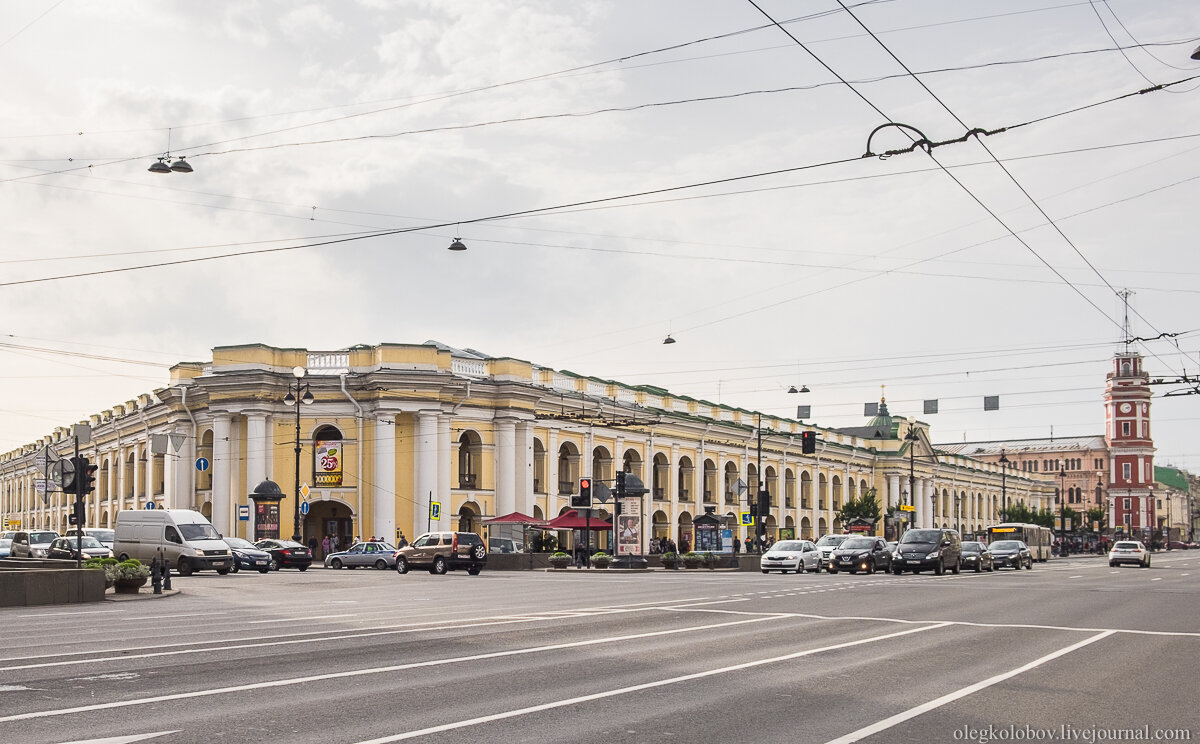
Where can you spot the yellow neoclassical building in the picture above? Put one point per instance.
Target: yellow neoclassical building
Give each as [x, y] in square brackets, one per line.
[414, 437]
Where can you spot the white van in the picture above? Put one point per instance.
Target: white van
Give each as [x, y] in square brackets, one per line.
[186, 538]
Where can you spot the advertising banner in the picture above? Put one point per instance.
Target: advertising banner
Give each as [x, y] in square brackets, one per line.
[629, 528]
[327, 464]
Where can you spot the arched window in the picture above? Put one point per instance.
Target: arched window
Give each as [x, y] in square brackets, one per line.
[470, 459]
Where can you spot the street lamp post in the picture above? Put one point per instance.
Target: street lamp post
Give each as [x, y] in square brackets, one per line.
[1062, 517]
[300, 394]
[1004, 483]
[911, 437]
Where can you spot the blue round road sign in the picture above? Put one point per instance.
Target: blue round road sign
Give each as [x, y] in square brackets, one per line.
[304, 507]
[201, 464]
[150, 505]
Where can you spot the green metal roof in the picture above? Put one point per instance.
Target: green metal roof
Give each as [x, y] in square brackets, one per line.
[1170, 477]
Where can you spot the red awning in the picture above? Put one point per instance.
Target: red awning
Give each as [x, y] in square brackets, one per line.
[572, 521]
[515, 518]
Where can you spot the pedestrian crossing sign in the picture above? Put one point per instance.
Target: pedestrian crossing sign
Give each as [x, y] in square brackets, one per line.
[435, 510]
[747, 519]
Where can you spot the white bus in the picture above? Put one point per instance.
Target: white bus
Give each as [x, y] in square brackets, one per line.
[1036, 537]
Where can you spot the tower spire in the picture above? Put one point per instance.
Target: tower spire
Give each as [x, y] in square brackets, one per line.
[1125, 294]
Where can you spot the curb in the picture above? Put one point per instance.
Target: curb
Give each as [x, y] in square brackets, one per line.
[114, 597]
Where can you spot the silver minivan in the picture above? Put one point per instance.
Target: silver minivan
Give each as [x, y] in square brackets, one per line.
[31, 543]
[183, 536]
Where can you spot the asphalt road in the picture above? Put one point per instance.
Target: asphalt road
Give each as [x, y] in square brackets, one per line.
[1072, 650]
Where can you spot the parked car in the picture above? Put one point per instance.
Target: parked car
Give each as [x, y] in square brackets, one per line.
[892, 547]
[31, 543]
[286, 553]
[861, 553]
[66, 547]
[246, 556]
[377, 554]
[976, 555]
[921, 549]
[105, 536]
[1129, 551]
[443, 551]
[1178, 545]
[829, 543]
[503, 545]
[5, 546]
[791, 555]
[1012, 553]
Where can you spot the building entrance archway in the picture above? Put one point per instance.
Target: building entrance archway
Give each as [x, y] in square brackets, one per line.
[330, 518]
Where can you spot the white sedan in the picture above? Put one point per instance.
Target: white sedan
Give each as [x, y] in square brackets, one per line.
[791, 555]
[1129, 551]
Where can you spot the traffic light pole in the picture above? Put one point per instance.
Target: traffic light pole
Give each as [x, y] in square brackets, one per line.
[79, 477]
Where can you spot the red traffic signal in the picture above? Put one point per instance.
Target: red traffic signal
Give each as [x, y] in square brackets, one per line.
[583, 499]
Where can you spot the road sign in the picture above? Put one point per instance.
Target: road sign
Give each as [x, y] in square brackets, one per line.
[202, 464]
[304, 508]
[908, 507]
[747, 519]
[435, 510]
[305, 491]
[151, 506]
[42, 485]
[243, 512]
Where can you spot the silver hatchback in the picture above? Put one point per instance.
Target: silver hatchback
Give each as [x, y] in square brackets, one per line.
[375, 554]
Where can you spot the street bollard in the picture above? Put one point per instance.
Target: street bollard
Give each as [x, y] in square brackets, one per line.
[166, 567]
[156, 575]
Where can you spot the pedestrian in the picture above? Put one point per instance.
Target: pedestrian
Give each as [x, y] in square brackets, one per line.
[671, 546]
[372, 538]
[683, 544]
[312, 545]
[737, 545]
[401, 541]
[333, 542]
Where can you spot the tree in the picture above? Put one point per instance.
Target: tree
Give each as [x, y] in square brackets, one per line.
[864, 507]
[1095, 515]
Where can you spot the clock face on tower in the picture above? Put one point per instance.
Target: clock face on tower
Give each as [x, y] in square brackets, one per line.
[1125, 408]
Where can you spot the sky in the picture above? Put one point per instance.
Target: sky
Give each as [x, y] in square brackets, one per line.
[619, 171]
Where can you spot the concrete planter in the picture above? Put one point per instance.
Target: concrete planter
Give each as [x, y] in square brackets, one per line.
[129, 586]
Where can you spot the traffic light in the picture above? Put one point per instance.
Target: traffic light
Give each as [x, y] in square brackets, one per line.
[78, 516]
[583, 498]
[764, 503]
[808, 442]
[86, 480]
[67, 474]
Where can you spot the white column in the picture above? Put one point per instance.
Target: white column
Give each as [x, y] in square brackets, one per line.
[505, 460]
[444, 451]
[258, 444]
[893, 496]
[425, 478]
[221, 467]
[551, 475]
[927, 497]
[524, 467]
[383, 489]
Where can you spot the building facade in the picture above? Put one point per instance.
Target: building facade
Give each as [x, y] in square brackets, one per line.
[411, 438]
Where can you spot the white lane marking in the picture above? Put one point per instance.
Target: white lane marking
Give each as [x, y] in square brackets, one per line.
[124, 739]
[887, 723]
[79, 612]
[638, 688]
[313, 617]
[1158, 579]
[13, 688]
[1076, 576]
[1186, 574]
[114, 675]
[395, 668]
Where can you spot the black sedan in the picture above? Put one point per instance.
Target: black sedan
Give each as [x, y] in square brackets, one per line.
[286, 553]
[866, 554]
[66, 547]
[246, 556]
[1013, 553]
[977, 556]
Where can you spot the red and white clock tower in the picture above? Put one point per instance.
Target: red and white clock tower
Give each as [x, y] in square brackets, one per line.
[1131, 449]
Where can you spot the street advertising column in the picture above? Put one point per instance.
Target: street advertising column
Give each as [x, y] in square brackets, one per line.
[629, 527]
[266, 518]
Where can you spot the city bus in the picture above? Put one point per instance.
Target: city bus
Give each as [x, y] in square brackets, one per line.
[1036, 537]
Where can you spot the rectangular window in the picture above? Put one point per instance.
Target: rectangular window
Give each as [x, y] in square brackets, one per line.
[1126, 504]
[1124, 428]
[1126, 471]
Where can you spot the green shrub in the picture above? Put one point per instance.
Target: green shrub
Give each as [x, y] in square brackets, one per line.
[132, 569]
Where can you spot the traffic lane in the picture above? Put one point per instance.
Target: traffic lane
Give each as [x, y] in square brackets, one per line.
[1122, 681]
[460, 687]
[1028, 598]
[769, 692]
[111, 678]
